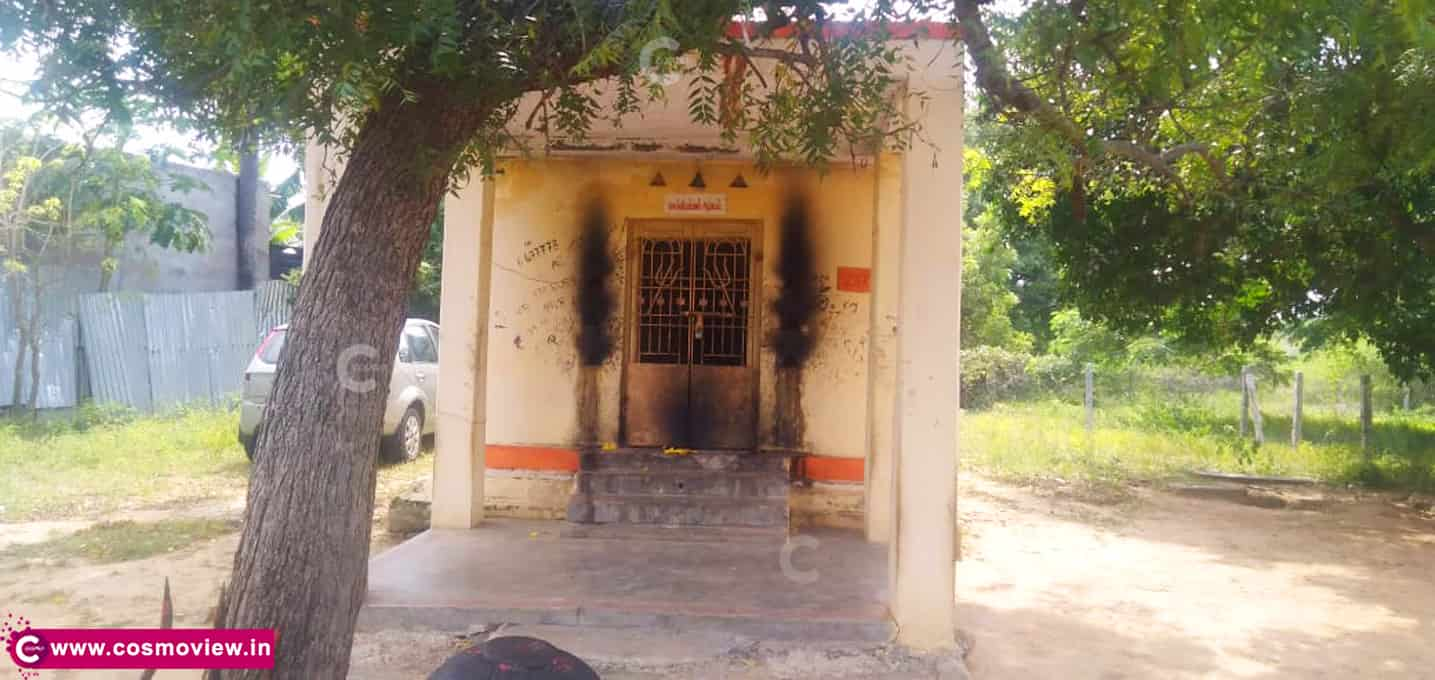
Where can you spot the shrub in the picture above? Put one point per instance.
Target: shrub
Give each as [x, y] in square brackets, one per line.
[1051, 372]
[992, 374]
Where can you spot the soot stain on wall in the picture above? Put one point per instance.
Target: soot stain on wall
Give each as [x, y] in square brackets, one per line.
[799, 298]
[595, 302]
[595, 295]
[798, 302]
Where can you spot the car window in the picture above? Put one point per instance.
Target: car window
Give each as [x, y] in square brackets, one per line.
[421, 347]
[433, 330]
[272, 345]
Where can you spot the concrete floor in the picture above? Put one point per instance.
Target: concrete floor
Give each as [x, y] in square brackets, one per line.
[646, 654]
[823, 585]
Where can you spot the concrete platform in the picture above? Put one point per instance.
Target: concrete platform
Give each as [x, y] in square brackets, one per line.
[823, 585]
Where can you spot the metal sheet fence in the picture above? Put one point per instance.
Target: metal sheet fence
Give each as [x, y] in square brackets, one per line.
[59, 347]
[156, 351]
[59, 386]
[198, 345]
[273, 301]
[112, 326]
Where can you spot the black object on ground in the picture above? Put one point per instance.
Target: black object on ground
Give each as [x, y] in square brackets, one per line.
[514, 658]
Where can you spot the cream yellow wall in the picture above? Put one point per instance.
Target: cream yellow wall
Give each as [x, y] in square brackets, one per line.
[533, 362]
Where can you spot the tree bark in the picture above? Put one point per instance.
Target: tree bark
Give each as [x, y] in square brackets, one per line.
[21, 323]
[107, 274]
[302, 562]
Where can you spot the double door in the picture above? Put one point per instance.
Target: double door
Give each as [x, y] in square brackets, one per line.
[691, 376]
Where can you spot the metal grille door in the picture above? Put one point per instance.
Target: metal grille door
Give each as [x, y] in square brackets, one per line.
[720, 292]
[689, 380]
[693, 301]
[664, 301]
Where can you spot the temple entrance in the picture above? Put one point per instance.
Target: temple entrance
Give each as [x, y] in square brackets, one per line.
[691, 369]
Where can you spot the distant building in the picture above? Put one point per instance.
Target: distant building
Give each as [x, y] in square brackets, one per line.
[146, 267]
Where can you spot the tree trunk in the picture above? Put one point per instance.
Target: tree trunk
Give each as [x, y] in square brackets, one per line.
[17, 300]
[302, 562]
[35, 377]
[17, 393]
[37, 329]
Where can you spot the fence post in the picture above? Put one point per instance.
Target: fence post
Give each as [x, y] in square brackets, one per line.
[1090, 397]
[1257, 425]
[1245, 400]
[1367, 416]
[1299, 408]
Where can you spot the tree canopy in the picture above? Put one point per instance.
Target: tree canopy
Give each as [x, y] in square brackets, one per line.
[278, 70]
[1221, 170]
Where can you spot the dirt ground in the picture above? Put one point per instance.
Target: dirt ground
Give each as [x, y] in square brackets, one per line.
[1166, 586]
[1156, 586]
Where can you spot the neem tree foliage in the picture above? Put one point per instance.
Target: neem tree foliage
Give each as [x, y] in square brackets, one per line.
[1222, 169]
[418, 93]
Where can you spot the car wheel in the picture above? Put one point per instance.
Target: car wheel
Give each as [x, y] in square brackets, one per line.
[251, 443]
[408, 439]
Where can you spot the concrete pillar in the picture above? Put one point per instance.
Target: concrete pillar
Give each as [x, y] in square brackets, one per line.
[924, 546]
[460, 437]
[322, 168]
[882, 347]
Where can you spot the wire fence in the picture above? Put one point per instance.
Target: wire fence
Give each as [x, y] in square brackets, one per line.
[1262, 406]
[1308, 401]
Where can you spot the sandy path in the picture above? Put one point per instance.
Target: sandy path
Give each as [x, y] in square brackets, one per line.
[1170, 587]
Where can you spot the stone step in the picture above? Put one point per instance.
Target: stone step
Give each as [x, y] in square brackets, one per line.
[653, 460]
[696, 511]
[682, 534]
[684, 483]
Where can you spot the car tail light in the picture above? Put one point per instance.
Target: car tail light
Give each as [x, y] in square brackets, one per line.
[267, 339]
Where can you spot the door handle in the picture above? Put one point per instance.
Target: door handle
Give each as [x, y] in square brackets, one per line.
[419, 376]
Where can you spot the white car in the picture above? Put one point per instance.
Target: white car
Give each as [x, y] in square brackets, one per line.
[413, 390]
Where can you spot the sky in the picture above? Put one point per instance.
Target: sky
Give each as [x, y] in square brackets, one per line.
[18, 69]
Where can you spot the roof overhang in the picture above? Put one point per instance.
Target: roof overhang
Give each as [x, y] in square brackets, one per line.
[662, 127]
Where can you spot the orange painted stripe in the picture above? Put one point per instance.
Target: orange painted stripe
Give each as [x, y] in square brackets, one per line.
[832, 469]
[502, 457]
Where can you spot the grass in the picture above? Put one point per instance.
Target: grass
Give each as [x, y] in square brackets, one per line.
[124, 540]
[86, 464]
[1154, 439]
[89, 463]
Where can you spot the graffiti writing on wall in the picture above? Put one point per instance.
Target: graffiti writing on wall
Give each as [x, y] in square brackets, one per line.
[533, 252]
[547, 318]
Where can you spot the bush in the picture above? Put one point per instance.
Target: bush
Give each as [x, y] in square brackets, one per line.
[992, 374]
[1051, 372]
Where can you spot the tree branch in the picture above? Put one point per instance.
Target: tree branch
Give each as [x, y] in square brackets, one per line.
[776, 54]
[993, 78]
